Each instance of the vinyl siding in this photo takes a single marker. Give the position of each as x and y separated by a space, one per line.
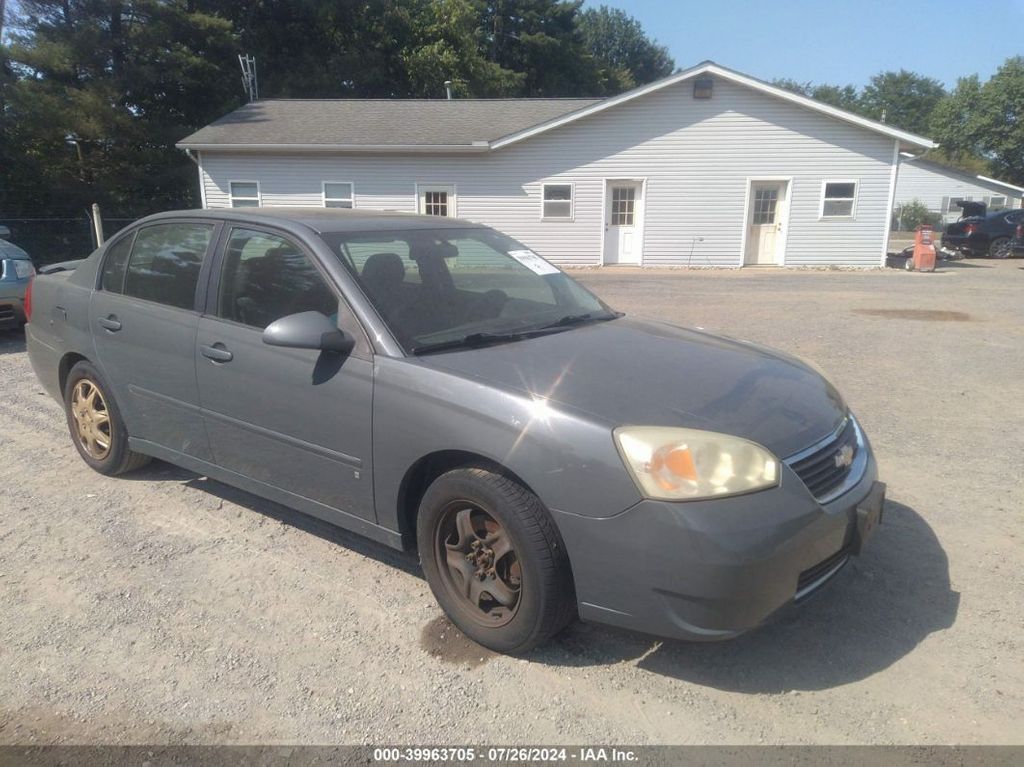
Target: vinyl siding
919 181
696 156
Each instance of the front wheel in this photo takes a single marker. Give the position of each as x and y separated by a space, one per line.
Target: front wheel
494 560
95 423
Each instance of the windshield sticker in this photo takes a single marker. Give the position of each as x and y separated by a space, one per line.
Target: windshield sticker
533 262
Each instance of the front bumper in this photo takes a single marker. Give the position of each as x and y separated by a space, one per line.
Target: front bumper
706 570
12 312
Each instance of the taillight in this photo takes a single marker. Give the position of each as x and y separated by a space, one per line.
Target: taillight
970 228
28 299
1020 231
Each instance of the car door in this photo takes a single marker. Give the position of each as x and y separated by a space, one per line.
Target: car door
294 419
144 322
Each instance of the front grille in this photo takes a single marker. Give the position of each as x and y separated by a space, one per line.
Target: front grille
809 579
824 470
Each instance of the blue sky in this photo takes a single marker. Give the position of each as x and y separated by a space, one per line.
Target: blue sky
835 41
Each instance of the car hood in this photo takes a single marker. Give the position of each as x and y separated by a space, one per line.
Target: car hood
637 372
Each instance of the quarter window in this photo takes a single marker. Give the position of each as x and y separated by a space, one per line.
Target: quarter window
266 277
114 263
165 262
557 202
339 194
838 199
244 194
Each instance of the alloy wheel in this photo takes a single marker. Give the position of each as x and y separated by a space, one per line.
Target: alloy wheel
91 419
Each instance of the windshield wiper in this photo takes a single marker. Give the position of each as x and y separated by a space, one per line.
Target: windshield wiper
473 339
579 319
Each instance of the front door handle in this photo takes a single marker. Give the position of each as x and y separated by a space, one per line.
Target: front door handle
111 323
217 353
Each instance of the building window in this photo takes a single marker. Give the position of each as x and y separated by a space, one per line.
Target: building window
997 202
838 199
623 205
339 194
244 194
557 202
436 200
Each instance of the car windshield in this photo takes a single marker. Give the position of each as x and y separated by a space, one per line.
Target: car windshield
441 289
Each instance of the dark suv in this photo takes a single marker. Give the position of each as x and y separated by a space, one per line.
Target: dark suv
979 233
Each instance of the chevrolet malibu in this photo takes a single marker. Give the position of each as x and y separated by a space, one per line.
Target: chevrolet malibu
434 385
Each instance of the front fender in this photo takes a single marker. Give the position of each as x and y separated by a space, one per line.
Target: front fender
568 460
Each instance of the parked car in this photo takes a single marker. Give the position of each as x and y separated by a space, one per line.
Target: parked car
433 384
1017 243
16 270
979 233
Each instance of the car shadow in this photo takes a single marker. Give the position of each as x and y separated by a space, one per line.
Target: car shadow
158 471
12 341
876 611
961 263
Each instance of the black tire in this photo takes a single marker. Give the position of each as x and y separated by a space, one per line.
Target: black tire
545 598
999 247
117 458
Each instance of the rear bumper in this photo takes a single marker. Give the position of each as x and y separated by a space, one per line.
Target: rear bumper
965 243
711 570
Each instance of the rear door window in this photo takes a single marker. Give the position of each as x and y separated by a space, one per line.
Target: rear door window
165 263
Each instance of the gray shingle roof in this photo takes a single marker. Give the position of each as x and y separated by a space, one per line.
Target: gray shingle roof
379 122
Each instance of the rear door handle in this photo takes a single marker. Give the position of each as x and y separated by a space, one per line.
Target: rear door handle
217 353
111 323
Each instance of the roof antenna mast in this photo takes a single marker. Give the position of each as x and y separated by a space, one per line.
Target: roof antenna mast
249 82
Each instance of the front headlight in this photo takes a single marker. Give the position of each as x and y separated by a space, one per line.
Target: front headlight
673 464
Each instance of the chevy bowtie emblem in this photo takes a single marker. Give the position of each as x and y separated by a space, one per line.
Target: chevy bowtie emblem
844 457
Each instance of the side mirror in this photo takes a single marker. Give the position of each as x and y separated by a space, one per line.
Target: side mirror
308 330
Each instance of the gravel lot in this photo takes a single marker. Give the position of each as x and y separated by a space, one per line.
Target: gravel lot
165 608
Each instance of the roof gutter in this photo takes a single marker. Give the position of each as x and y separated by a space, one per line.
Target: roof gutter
475 147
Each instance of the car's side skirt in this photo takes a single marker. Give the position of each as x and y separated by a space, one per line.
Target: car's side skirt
305 505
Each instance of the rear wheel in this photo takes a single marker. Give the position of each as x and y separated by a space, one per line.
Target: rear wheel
999 247
494 560
95 423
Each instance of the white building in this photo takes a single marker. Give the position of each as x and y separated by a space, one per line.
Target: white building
705 167
939 186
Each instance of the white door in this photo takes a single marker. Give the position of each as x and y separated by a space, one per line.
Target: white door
764 222
623 220
436 200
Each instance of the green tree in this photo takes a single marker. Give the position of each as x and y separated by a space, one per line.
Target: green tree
842 96
904 99
1000 121
102 91
622 49
540 40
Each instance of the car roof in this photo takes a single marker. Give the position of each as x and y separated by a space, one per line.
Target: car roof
11 251
323 220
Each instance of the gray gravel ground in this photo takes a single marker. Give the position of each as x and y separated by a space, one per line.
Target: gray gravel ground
165 608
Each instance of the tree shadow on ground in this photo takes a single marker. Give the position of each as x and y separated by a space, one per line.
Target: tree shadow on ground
873 613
